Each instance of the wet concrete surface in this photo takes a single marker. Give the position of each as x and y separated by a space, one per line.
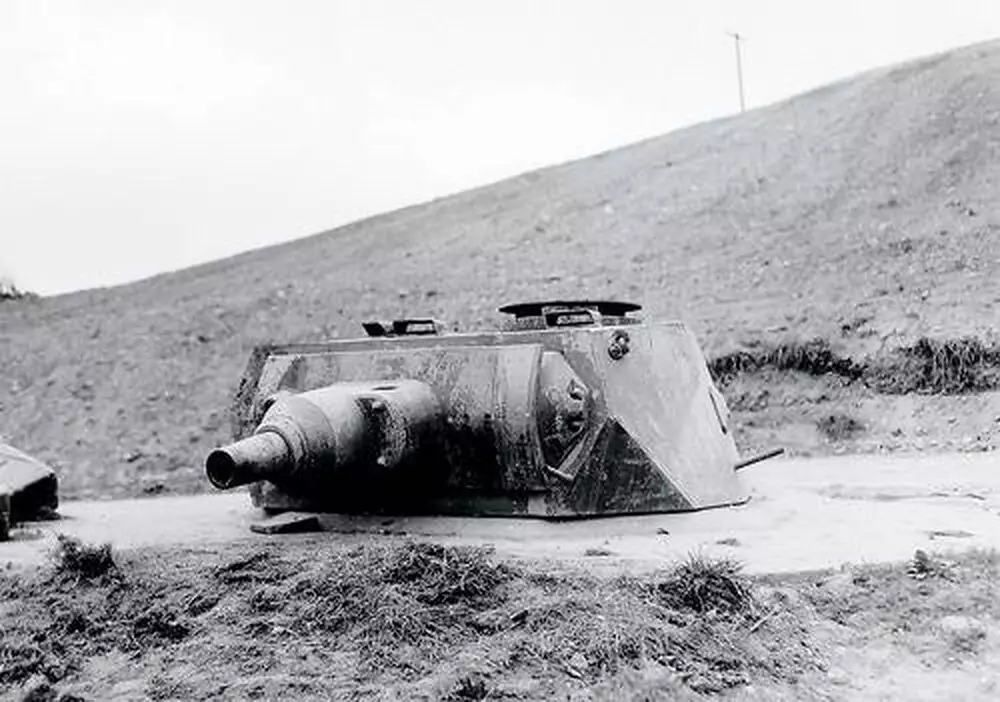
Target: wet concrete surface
804 514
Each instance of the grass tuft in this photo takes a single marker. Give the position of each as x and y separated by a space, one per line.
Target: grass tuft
703 584
77 559
442 575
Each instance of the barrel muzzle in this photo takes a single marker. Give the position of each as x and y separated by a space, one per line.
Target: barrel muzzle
257 457
335 435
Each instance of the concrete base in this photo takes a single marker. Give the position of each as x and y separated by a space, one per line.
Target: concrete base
804 514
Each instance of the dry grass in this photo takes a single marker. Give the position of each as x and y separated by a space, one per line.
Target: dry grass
396 615
313 620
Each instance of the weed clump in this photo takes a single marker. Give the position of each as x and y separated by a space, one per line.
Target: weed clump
927 366
83 561
938 367
814 357
442 575
702 584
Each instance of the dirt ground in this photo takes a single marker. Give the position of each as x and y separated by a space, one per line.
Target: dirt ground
817 416
313 619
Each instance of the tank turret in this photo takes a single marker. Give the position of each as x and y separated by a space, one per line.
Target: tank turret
574 408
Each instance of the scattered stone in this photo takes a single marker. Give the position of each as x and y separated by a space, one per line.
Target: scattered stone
839 677
923 566
965 633
154 488
38 689
577 665
841 583
287 523
949 533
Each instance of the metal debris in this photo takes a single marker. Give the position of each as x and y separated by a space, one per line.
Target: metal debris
31 485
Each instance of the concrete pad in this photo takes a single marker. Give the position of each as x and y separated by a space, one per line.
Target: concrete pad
804 514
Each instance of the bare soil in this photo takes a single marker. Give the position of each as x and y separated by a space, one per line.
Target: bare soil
863 214
306 618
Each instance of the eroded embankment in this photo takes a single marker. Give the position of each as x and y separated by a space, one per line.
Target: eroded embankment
932 394
927 366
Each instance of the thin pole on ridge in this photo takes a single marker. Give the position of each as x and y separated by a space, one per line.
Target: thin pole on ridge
737 38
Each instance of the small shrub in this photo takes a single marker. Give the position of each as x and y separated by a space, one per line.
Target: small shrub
75 558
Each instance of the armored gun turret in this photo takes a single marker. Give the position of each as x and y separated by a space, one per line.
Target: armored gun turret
575 408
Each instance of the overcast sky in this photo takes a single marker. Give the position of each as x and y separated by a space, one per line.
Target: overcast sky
138 136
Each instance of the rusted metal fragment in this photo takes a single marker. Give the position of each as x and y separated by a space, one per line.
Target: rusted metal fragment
32 486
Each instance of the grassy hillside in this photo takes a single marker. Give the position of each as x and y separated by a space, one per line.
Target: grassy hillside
864 213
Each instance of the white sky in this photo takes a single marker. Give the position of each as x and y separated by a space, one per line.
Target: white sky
138 136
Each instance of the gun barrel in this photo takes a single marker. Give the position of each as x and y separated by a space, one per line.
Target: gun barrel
257 457
335 434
